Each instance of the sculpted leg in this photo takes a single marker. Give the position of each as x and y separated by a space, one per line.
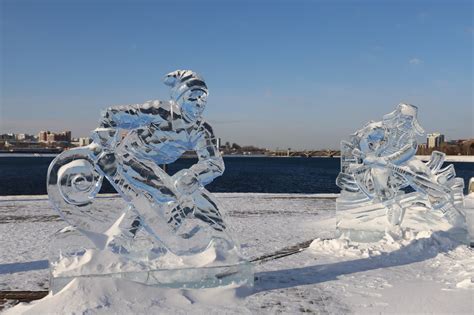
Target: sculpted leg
149 190
206 210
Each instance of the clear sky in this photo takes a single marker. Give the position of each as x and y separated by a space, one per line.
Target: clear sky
299 74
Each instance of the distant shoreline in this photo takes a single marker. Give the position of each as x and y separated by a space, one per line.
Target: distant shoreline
449 158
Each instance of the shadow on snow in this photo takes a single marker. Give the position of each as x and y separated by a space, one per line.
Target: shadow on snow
23 266
417 251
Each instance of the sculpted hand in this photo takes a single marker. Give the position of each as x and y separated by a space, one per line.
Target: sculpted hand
104 142
107 138
185 182
375 161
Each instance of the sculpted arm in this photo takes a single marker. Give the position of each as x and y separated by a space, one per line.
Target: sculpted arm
132 116
126 117
211 164
404 154
371 145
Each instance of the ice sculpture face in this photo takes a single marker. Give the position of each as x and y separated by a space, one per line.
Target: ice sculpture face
378 163
190 94
128 147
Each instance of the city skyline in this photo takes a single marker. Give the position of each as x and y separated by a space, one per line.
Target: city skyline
429 140
282 74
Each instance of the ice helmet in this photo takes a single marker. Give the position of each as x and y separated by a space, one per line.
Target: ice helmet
182 81
406 110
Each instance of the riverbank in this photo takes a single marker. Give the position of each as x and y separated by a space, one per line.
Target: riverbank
449 158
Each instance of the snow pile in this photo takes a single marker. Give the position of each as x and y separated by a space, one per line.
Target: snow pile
409 240
117 296
450 261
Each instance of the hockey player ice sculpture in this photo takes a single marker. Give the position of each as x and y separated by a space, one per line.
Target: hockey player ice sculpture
169 230
377 164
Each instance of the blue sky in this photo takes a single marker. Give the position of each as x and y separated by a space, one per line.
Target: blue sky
299 74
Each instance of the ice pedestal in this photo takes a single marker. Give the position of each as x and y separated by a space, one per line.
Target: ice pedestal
362 220
181 278
73 256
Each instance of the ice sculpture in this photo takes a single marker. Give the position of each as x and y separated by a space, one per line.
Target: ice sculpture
167 230
378 166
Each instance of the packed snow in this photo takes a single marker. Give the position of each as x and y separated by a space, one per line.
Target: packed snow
419 270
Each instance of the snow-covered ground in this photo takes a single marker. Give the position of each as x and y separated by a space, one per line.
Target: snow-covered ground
421 272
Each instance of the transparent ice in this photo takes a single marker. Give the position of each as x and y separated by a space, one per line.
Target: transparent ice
378 165
164 218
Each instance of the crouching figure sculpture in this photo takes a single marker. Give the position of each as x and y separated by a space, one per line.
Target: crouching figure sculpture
170 226
378 165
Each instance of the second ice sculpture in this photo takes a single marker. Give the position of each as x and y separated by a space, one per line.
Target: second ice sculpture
170 230
378 164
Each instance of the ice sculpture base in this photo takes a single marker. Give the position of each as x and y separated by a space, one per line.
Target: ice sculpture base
73 256
186 278
360 236
362 220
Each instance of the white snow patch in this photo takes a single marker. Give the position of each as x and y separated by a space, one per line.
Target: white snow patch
118 296
412 241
